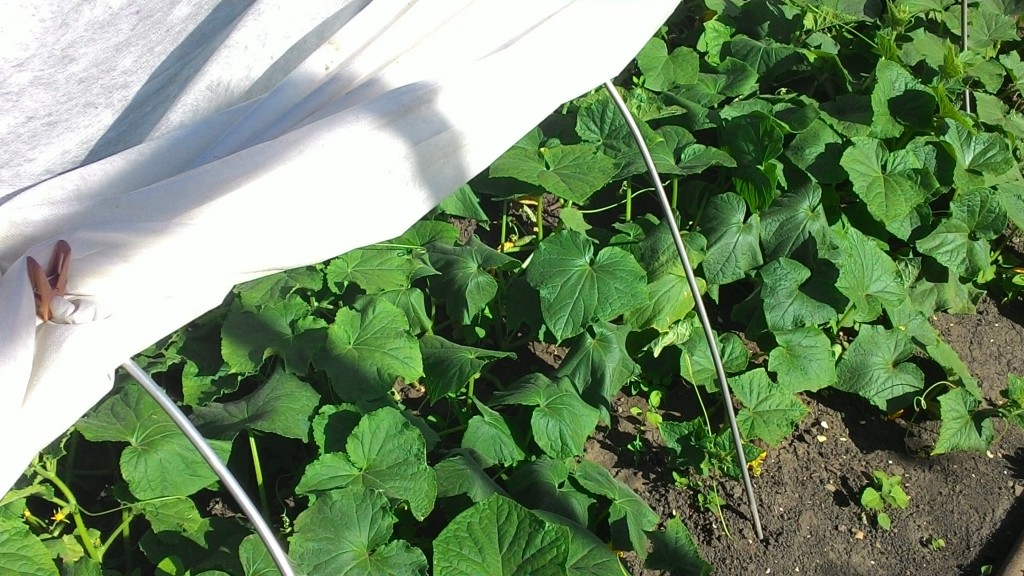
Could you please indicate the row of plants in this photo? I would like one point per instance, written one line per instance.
(387, 406)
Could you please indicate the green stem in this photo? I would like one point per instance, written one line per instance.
(80, 529)
(258, 470)
(675, 195)
(504, 223)
(540, 217)
(122, 528)
(452, 430)
(629, 200)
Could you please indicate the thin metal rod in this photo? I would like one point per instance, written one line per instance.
(701, 311)
(248, 507)
(963, 39)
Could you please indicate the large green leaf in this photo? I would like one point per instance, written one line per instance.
(348, 532)
(980, 152)
(892, 185)
(953, 244)
(450, 367)
(733, 247)
(490, 438)
(770, 412)
(818, 150)
(21, 552)
(962, 428)
(542, 485)
(384, 453)
(867, 275)
(898, 99)
(676, 552)
(255, 558)
(367, 349)
(696, 365)
(466, 283)
(506, 540)
(285, 330)
(561, 421)
(803, 360)
(282, 405)
(794, 224)
(460, 474)
(270, 290)
(874, 368)
(375, 269)
(629, 516)
(598, 362)
(577, 289)
(786, 305)
(769, 59)
(571, 172)
(663, 70)
(159, 460)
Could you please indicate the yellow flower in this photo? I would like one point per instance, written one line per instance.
(61, 515)
(755, 464)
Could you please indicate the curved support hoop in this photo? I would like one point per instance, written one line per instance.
(248, 507)
(698, 301)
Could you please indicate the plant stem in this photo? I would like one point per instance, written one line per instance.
(122, 528)
(258, 470)
(540, 217)
(629, 200)
(80, 529)
(675, 195)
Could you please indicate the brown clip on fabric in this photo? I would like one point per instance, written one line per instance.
(52, 282)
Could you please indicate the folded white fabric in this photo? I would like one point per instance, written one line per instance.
(183, 147)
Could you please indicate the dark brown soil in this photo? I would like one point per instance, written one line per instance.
(809, 490)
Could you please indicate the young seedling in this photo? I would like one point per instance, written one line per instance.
(884, 491)
(651, 415)
(935, 544)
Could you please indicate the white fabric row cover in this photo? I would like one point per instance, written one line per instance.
(183, 146)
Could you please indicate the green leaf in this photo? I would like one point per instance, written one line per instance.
(898, 99)
(874, 368)
(159, 460)
(629, 516)
(384, 453)
(817, 150)
(375, 268)
(577, 289)
(676, 552)
(426, 232)
(489, 437)
(871, 499)
(408, 300)
(980, 210)
(507, 540)
(258, 293)
(285, 330)
(770, 411)
(171, 515)
(542, 484)
(803, 361)
(696, 365)
(466, 283)
(282, 405)
(571, 172)
(963, 426)
(461, 474)
(367, 349)
(561, 421)
(598, 363)
(255, 559)
(733, 247)
(448, 367)
(786, 305)
(794, 224)
(768, 58)
(980, 152)
(890, 184)
(464, 204)
(867, 276)
(21, 552)
(347, 532)
(953, 245)
(663, 70)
